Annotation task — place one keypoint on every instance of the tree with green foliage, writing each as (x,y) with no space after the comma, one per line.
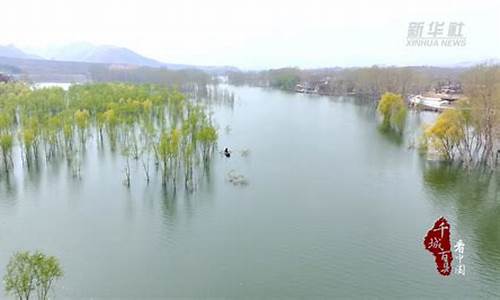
(27,272)
(47,271)
(6,144)
(285,82)
(29,142)
(446,134)
(19,279)
(207,137)
(82,122)
(168,149)
(393,110)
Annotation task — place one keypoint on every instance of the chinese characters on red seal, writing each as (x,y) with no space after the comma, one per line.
(437,241)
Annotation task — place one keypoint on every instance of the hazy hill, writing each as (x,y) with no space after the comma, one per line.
(86,52)
(12,51)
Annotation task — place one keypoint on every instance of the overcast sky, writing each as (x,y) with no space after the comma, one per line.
(258,33)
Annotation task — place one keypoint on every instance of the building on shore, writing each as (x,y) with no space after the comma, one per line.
(313,87)
(435,102)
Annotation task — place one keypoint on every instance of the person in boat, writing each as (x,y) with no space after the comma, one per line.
(227,153)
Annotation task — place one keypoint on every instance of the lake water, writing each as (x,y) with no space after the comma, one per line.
(334,207)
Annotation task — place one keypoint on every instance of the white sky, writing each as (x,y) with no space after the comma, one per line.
(257,33)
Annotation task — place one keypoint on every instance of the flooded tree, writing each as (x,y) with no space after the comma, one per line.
(6,140)
(446,134)
(393,110)
(207,137)
(482,91)
(82,122)
(31,272)
(6,144)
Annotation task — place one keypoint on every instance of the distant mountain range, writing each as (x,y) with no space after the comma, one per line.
(85,52)
(89,53)
(14,52)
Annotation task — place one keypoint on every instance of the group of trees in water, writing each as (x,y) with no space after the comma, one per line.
(152,124)
(470,133)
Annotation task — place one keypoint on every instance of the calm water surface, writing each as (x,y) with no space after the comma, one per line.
(334,207)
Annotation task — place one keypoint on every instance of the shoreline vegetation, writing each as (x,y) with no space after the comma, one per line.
(155,125)
(467,130)
(469,133)
(369,82)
